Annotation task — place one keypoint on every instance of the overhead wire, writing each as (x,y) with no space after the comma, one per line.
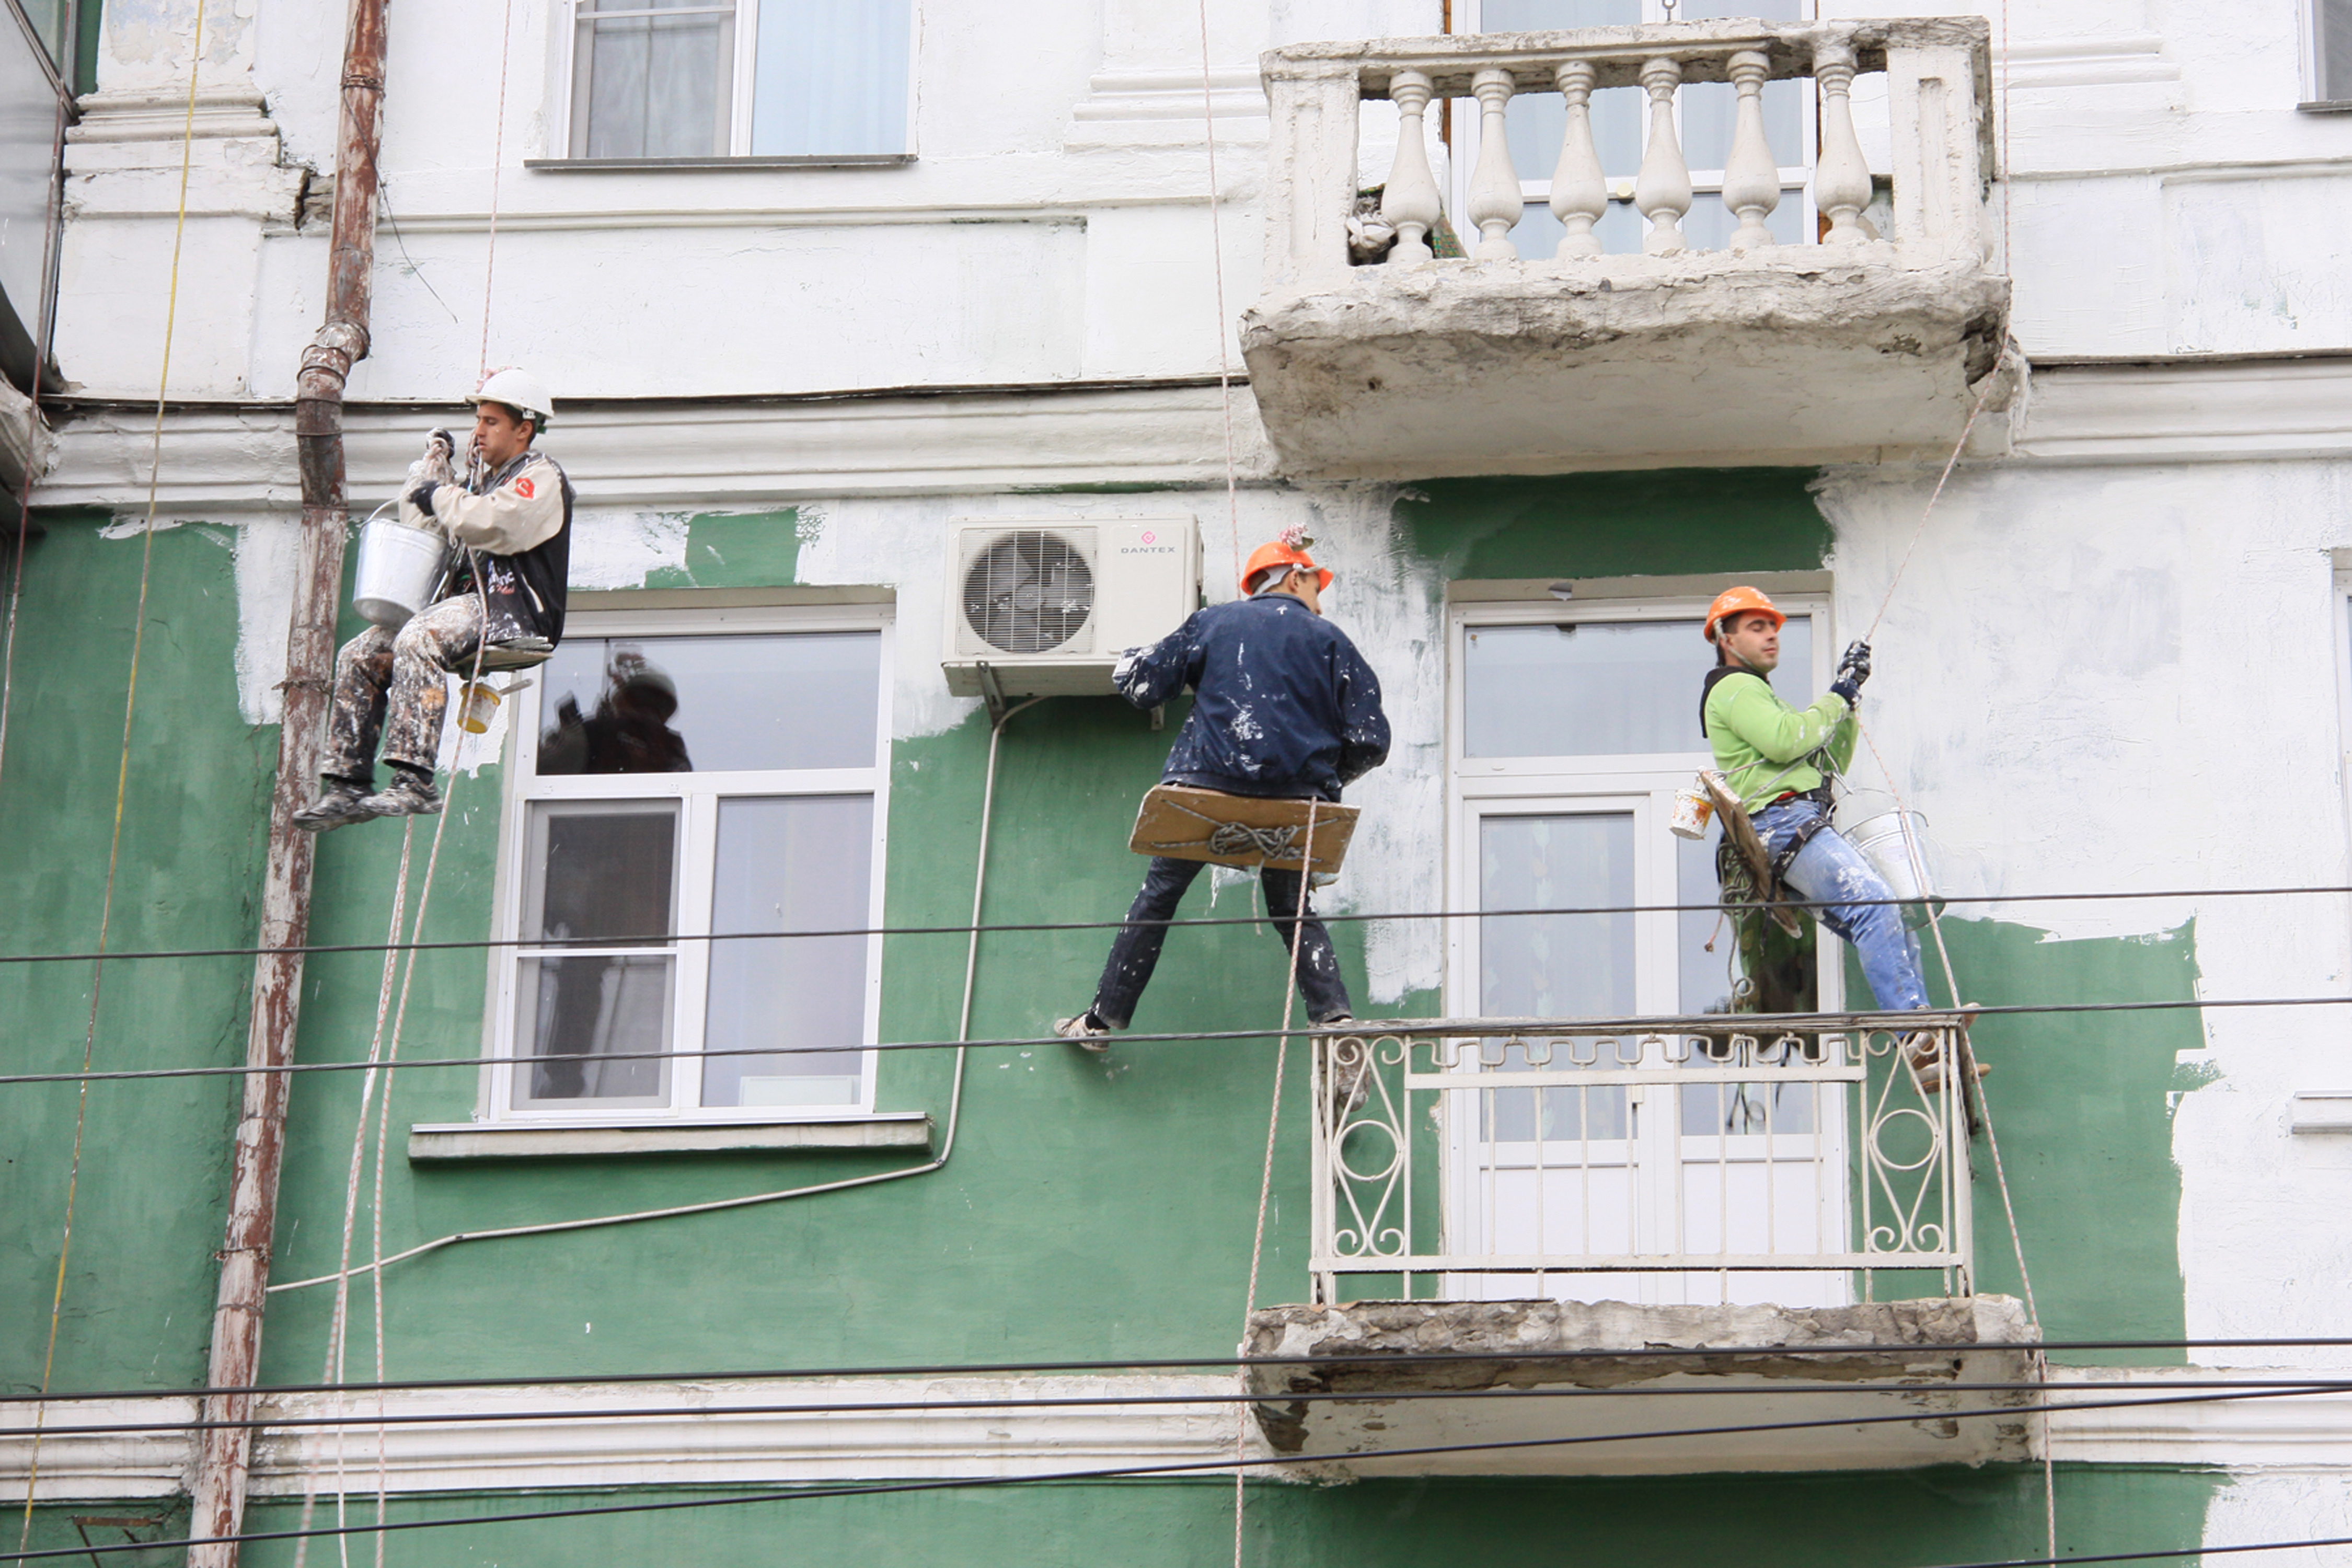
(122,767)
(1176,921)
(1123,1472)
(1356,1359)
(1777,1389)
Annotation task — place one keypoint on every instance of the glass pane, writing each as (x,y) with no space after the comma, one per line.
(1710,113)
(1537,122)
(1552,16)
(1537,233)
(1555,967)
(1703,976)
(604,874)
(1598,688)
(831,77)
(711,704)
(789,865)
(2333,18)
(657,86)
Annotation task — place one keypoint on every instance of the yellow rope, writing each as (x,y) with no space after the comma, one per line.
(121,786)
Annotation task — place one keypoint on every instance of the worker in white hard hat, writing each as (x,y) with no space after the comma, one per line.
(511,518)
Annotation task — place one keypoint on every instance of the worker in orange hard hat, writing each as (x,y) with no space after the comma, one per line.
(1775,757)
(1284,708)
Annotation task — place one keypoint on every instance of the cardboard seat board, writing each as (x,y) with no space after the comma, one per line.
(1241,830)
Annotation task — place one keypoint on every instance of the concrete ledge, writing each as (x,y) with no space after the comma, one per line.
(1894,1359)
(430,1144)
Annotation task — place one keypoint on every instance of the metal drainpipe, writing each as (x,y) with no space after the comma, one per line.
(224,1453)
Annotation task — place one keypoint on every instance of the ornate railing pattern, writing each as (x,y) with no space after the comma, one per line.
(1938,74)
(1817,1148)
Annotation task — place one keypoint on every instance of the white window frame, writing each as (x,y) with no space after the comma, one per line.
(1463,124)
(739,101)
(698,794)
(1642,783)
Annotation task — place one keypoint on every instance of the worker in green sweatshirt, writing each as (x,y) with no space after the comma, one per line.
(1771,755)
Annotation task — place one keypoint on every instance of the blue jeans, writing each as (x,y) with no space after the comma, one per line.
(1827,870)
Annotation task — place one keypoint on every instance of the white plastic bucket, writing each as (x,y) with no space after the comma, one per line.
(1693,811)
(1873,825)
(477,705)
(399,568)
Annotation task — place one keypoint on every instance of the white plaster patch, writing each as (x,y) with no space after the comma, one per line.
(266,547)
(621,550)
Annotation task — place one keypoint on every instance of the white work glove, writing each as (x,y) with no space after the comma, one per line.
(429,472)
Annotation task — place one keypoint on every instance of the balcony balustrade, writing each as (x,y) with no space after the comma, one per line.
(1560,1191)
(1868,338)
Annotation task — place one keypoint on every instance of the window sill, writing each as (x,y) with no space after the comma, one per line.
(435,1143)
(2326,106)
(792,161)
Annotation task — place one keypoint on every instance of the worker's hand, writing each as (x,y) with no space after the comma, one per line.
(420,494)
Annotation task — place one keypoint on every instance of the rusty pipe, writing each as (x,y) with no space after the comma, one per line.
(223,1453)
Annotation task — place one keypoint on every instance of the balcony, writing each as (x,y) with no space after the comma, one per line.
(1848,316)
(1573,1204)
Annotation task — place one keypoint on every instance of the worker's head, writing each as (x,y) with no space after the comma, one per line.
(1283,566)
(1745,629)
(511,407)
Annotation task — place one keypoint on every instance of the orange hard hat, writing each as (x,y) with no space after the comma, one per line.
(1739,601)
(1277,553)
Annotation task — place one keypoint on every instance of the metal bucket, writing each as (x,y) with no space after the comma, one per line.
(399,568)
(1894,841)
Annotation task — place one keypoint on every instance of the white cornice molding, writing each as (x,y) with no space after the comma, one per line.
(714,1433)
(223,461)
(2218,410)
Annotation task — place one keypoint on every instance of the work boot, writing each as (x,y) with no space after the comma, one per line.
(1086,1031)
(341,802)
(410,794)
(1919,1052)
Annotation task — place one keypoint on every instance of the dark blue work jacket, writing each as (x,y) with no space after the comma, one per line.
(1285,705)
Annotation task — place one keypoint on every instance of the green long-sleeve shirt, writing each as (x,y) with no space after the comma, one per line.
(1763,747)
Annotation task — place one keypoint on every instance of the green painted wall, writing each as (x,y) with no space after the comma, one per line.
(1881,1521)
(1095,1207)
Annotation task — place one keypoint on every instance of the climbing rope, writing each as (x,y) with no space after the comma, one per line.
(122,779)
(1217,260)
(498,167)
(1962,1070)
(1265,1176)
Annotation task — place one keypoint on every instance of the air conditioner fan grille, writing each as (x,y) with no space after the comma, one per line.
(1029,590)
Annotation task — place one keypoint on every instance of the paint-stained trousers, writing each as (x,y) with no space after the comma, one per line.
(1137,951)
(390,684)
(1829,872)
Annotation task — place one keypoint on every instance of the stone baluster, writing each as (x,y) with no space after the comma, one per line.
(1409,202)
(1496,203)
(1580,192)
(1663,192)
(1841,177)
(1751,179)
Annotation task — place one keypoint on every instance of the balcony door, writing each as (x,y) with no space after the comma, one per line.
(1570,734)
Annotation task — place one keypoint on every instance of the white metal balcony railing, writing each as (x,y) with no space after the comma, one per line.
(1517,1158)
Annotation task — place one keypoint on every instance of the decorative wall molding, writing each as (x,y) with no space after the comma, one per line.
(223,459)
(2084,62)
(431,1142)
(731,1433)
(2214,410)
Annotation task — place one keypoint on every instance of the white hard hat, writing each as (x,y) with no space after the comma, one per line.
(516,389)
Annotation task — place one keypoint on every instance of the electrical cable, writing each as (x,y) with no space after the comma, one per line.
(122,768)
(1462,1028)
(456,1418)
(1180,1467)
(1175,922)
(1373,1361)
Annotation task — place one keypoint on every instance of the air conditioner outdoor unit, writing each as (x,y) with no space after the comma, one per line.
(1047,606)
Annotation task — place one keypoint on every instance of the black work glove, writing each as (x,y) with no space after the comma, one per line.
(1853,669)
(421,497)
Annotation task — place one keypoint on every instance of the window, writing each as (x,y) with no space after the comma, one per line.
(1572,727)
(716,78)
(675,780)
(1620,115)
(2330,59)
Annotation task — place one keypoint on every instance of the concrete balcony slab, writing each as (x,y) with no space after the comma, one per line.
(1799,354)
(1557,1388)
